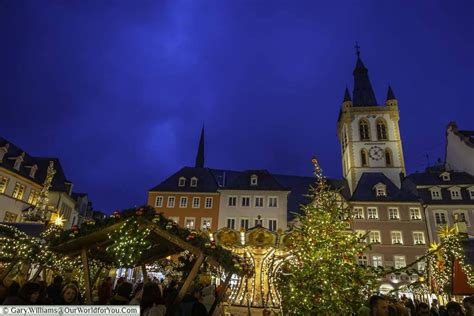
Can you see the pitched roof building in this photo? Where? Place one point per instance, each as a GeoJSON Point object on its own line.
{"type": "Point", "coordinates": [21, 179]}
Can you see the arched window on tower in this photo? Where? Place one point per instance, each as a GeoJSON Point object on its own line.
{"type": "Point", "coordinates": [364, 130]}
{"type": "Point", "coordinates": [381, 129]}
{"type": "Point", "coordinates": [388, 157]}
{"type": "Point", "coordinates": [364, 157]}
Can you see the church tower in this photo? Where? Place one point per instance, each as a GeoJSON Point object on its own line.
{"type": "Point", "coordinates": [368, 132]}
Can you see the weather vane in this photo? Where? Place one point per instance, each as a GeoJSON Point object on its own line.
{"type": "Point", "coordinates": [357, 47]}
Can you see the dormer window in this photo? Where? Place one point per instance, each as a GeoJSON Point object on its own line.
{"type": "Point", "coordinates": [254, 180]}
{"type": "Point", "coordinates": [445, 176]}
{"type": "Point", "coordinates": [471, 192]}
{"type": "Point", "coordinates": [182, 182]}
{"type": "Point", "coordinates": [3, 151]}
{"type": "Point", "coordinates": [455, 193]}
{"type": "Point", "coordinates": [380, 189]}
{"type": "Point", "coordinates": [435, 193]}
{"type": "Point", "coordinates": [194, 182]}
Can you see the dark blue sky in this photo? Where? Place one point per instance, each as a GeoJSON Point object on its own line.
{"type": "Point", "coordinates": [118, 90]}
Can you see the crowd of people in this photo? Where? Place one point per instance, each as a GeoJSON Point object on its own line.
{"type": "Point", "coordinates": [153, 297]}
{"type": "Point", "coordinates": [388, 306]}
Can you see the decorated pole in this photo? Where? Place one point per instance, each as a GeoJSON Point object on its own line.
{"type": "Point", "coordinates": [8, 269]}
{"type": "Point", "coordinates": [192, 274]}
{"type": "Point", "coordinates": [221, 293]}
{"type": "Point", "coordinates": [40, 212]}
{"type": "Point", "coordinates": [87, 279]}
{"type": "Point", "coordinates": [145, 274]}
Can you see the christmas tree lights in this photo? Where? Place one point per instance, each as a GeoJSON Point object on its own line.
{"type": "Point", "coordinates": [323, 277]}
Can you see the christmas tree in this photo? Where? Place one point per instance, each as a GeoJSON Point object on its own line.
{"type": "Point", "coordinates": [322, 276]}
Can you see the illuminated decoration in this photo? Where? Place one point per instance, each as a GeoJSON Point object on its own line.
{"type": "Point", "coordinates": [322, 277]}
{"type": "Point", "coordinates": [440, 260]}
{"type": "Point", "coordinates": [130, 241]}
{"type": "Point", "coordinates": [263, 252]}
{"type": "Point", "coordinates": [57, 220]}
{"type": "Point", "coordinates": [40, 212]}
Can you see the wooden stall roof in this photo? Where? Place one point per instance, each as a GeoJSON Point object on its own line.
{"type": "Point", "coordinates": [163, 243]}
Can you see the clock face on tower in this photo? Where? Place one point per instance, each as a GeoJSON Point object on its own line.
{"type": "Point", "coordinates": [375, 153]}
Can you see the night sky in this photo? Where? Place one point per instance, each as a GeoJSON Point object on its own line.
{"type": "Point", "coordinates": [119, 90]}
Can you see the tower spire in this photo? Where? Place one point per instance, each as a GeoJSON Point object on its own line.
{"type": "Point", "coordinates": [363, 93]}
{"type": "Point", "coordinates": [200, 152]}
{"type": "Point", "coordinates": [390, 94]}
{"type": "Point", "coordinates": [347, 95]}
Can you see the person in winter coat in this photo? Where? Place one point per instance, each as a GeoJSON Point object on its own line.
{"type": "Point", "coordinates": [152, 303]}
{"type": "Point", "coordinates": [122, 297]}
{"type": "Point", "coordinates": [70, 295]}
{"type": "Point", "coordinates": [105, 291]}
{"type": "Point", "coordinates": [54, 290]}
{"type": "Point", "coordinates": [27, 295]}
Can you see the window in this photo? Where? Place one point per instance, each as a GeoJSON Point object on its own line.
{"type": "Point", "coordinates": [421, 265]}
{"type": "Point", "coordinates": [445, 176]}
{"type": "Point", "coordinates": [183, 202]}
{"type": "Point", "coordinates": [358, 213]}
{"type": "Point", "coordinates": [435, 193]}
{"type": "Point", "coordinates": [418, 238]}
{"type": "Point", "coordinates": [272, 201]}
{"type": "Point", "coordinates": [196, 202]}
{"type": "Point", "coordinates": [194, 182]}
{"type": "Point", "coordinates": [258, 201]}
{"type": "Point", "coordinates": [244, 223]}
{"type": "Point", "coordinates": [364, 130]}
{"type": "Point", "coordinates": [455, 194]}
{"type": "Point", "coordinates": [159, 201]}
{"type": "Point", "coordinates": [364, 158]}
{"type": "Point", "coordinates": [460, 216]}
{"type": "Point", "coordinates": [258, 221]}
{"type": "Point", "coordinates": [344, 139]}
{"type": "Point", "coordinates": [246, 201]}
{"type": "Point", "coordinates": [208, 202]}
{"type": "Point", "coordinates": [393, 213]}
{"type": "Point", "coordinates": [254, 180]}
{"type": "Point", "coordinates": [189, 222]}
{"type": "Point", "coordinates": [171, 201]}
{"type": "Point", "coordinates": [399, 262]}
{"type": "Point", "coordinates": [372, 213]}
{"type": "Point", "coordinates": [377, 261]}
{"type": "Point", "coordinates": [374, 237]}
{"type": "Point", "coordinates": [182, 182]}
{"type": "Point", "coordinates": [174, 219]}
{"type": "Point", "coordinates": [3, 184]}
{"type": "Point", "coordinates": [33, 198]}
{"type": "Point", "coordinates": [381, 130]}
{"type": "Point", "coordinates": [396, 237]}
{"type": "Point", "coordinates": [10, 217]}
{"type": "Point", "coordinates": [362, 260]}
{"type": "Point", "coordinates": [272, 225]}
{"type": "Point", "coordinates": [380, 190]}
{"type": "Point", "coordinates": [415, 214]}
{"type": "Point", "coordinates": [440, 218]}
{"type": "Point", "coordinates": [231, 222]}
{"type": "Point", "coordinates": [206, 222]}
{"type": "Point", "coordinates": [232, 201]}
{"type": "Point", "coordinates": [18, 191]}
{"type": "Point", "coordinates": [388, 157]}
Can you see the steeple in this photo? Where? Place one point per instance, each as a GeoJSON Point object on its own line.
{"type": "Point", "coordinates": [391, 100]}
{"type": "Point", "coordinates": [363, 93]}
{"type": "Point", "coordinates": [347, 96]}
{"type": "Point", "coordinates": [200, 152]}
{"type": "Point", "coordinates": [390, 95]}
